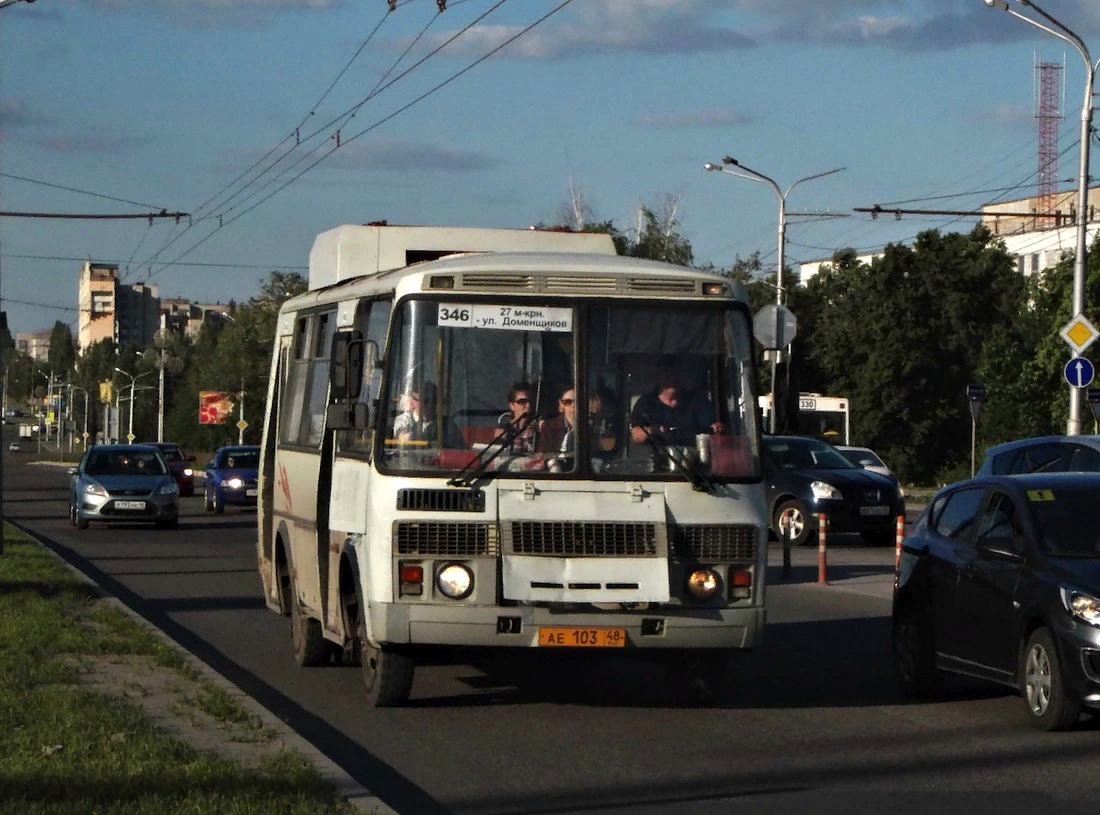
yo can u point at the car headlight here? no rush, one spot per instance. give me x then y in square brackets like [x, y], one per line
[821, 491]
[455, 580]
[1083, 606]
[702, 583]
[234, 484]
[168, 489]
[188, 471]
[95, 489]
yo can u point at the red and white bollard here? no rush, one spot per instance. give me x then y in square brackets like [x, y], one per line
[898, 538]
[822, 563]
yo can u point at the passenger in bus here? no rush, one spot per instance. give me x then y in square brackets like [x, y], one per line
[556, 434]
[665, 410]
[521, 410]
[418, 420]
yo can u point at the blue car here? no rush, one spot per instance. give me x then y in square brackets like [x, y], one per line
[231, 478]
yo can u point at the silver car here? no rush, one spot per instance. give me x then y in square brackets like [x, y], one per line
[123, 482]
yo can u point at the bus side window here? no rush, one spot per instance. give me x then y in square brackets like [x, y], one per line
[294, 392]
[373, 319]
[313, 419]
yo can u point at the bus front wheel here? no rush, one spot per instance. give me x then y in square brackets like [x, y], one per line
[387, 674]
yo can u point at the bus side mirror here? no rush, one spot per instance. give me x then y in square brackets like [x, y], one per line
[346, 365]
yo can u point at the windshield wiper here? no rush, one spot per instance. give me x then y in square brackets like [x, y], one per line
[682, 462]
[479, 464]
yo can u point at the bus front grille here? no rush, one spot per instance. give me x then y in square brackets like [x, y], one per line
[713, 542]
[662, 284]
[441, 500]
[585, 539]
[448, 539]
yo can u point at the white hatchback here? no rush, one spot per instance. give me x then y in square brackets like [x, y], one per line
[866, 458]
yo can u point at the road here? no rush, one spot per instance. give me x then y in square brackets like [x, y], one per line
[813, 722]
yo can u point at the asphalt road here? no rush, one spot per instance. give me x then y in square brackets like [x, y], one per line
[813, 722]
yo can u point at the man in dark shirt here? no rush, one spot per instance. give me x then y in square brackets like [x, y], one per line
[664, 411]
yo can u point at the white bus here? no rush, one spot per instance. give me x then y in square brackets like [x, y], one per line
[823, 417]
[379, 545]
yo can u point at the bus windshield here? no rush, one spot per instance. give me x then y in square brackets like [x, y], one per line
[463, 376]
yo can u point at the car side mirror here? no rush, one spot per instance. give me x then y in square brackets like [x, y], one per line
[74, 471]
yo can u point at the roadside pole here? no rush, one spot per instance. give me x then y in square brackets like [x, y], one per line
[899, 536]
[785, 539]
[822, 561]
[975, 395]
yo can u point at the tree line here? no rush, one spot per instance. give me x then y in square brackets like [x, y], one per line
[901, 337]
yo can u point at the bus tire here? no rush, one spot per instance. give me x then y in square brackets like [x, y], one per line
[310, 647]
[387, 674]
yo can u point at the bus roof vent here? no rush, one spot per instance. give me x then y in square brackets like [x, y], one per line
[582, 283]
[662, 284]
[498, 281]
[441, 500]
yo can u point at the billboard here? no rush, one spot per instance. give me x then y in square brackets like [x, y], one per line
[215, 406]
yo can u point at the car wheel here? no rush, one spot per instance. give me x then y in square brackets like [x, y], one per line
[878, 538]
[915, 652]
[72, 515]
[792, 514]
[81, 523]
[219, 505]
[310, 647]
[1042, 685]
[207, 501]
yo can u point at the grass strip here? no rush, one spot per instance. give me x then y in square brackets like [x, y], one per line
[68, 749]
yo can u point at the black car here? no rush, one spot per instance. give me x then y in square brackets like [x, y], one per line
[1000, 579]
[1047, 454]
[804, 477]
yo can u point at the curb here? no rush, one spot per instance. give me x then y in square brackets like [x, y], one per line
[330, 772]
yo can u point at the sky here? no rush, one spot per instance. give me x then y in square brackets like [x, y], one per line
[270, 121]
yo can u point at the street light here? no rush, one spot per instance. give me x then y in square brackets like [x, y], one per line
[133, 383]
[6, 3]
[78, 388]
[753, 175]
[1073, 426]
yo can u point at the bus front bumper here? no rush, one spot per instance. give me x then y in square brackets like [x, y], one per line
[519, 626]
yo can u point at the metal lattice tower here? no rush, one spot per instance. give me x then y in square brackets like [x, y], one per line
[1049, 116]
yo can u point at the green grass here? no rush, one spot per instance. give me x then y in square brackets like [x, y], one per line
[67, 749]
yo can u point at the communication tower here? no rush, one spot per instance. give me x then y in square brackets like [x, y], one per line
[1049, 113]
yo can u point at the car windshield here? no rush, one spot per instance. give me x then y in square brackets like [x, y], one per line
[171, 453]
[862, 458]
[804, 454]
[1066, 521]
[243, 460]
[124, 462]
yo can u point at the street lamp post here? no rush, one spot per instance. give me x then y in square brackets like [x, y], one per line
[1080, 262]
[133, 383]
[78, 388]
[753, 175]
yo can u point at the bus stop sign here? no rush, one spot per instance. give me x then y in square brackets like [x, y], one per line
[765, 323]
[975, 395]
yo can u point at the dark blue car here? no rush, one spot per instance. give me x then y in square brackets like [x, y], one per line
[804, 477]
[231, 478]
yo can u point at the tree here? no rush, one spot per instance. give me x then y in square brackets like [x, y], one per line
[62, 353]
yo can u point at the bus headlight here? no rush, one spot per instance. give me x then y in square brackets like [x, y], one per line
[455, 581]
[702, 583]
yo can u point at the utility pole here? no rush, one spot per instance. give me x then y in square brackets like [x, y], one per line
[240, 424]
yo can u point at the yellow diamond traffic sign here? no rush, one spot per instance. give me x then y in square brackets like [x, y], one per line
[242, 424]
[1079, 333]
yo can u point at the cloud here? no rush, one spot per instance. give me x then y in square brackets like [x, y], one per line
[16, 113]
[606, 26]
[1009, 115]
[374, 157]
[93, 144]
[705, 117]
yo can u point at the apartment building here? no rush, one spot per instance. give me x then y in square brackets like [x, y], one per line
[35, 344]
[129, 314]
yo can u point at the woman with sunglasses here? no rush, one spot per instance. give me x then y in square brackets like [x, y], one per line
[521, 409]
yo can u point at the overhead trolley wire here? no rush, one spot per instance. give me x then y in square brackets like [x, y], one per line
[392, 115]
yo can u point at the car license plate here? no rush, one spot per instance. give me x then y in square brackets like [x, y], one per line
[129, 505]
[250, 493]
[874, 510]
[583, 637]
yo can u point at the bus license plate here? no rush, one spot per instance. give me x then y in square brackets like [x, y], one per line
[874, 510]
[130, 505]
[583, 637]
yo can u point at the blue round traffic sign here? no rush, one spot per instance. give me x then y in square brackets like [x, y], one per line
[1079, 372]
